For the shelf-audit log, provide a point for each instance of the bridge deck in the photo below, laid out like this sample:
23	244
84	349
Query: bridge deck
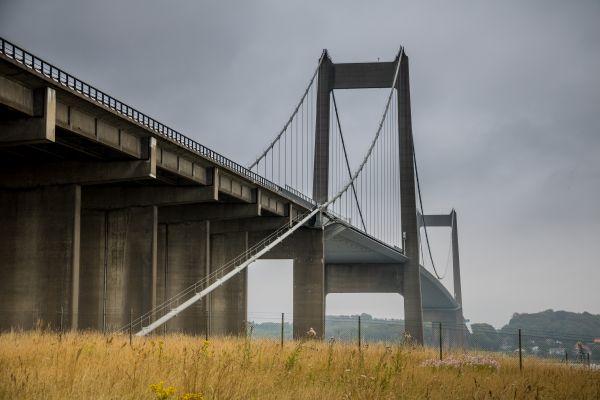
91	125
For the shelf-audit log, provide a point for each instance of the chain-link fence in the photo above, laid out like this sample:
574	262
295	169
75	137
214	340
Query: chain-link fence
524	345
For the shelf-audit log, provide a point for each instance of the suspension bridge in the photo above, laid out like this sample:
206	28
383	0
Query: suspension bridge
121	222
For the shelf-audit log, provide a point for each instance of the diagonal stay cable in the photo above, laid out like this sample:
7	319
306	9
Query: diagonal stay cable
289	121
337	116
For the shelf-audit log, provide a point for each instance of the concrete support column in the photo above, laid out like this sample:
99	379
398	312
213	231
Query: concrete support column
118	266
228	309
306	248
413	311
309	282
75	258
183	257
39	256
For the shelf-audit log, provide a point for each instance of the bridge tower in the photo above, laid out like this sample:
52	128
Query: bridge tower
364	76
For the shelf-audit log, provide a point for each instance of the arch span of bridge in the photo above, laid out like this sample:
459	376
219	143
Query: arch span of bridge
107	214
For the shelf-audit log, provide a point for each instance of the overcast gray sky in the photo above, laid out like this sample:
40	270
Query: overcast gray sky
505	100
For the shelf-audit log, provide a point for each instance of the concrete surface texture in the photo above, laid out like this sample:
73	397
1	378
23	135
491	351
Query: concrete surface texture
103	218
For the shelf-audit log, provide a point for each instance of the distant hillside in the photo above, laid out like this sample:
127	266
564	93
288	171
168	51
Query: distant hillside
566	326
560	323
344	327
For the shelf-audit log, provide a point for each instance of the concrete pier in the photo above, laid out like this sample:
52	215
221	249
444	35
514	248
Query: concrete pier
228	303
39	253
306	248
119	255
183	258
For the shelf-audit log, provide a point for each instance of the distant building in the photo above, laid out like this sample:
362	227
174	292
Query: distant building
556	351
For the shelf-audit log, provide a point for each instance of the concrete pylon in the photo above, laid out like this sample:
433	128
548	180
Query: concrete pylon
321	162
413	309
376	75
456	259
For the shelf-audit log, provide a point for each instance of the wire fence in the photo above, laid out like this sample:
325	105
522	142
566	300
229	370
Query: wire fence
525	346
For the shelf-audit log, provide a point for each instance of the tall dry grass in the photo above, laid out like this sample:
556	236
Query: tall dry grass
37	365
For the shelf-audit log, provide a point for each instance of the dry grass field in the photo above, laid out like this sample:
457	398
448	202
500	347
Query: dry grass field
90	366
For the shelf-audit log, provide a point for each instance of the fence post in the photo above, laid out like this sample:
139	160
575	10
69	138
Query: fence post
520	352
61	323
588	360
130	326
282	322
359	328
566	357
441	342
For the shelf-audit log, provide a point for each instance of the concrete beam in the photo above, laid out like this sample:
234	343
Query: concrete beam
179	164
235	187
93	125
76	173
104	198
272	203
208	212
442	220
363	278
39	128
364	75
79	172
249	224
16	96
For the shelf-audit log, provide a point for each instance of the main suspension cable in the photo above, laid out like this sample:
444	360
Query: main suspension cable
437	275
289	121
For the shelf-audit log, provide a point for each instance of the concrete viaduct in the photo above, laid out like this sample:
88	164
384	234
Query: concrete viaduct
104	211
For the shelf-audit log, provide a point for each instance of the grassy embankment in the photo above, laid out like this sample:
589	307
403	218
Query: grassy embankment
90	366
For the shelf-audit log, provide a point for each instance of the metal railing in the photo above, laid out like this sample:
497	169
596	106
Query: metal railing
61	77
309	202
